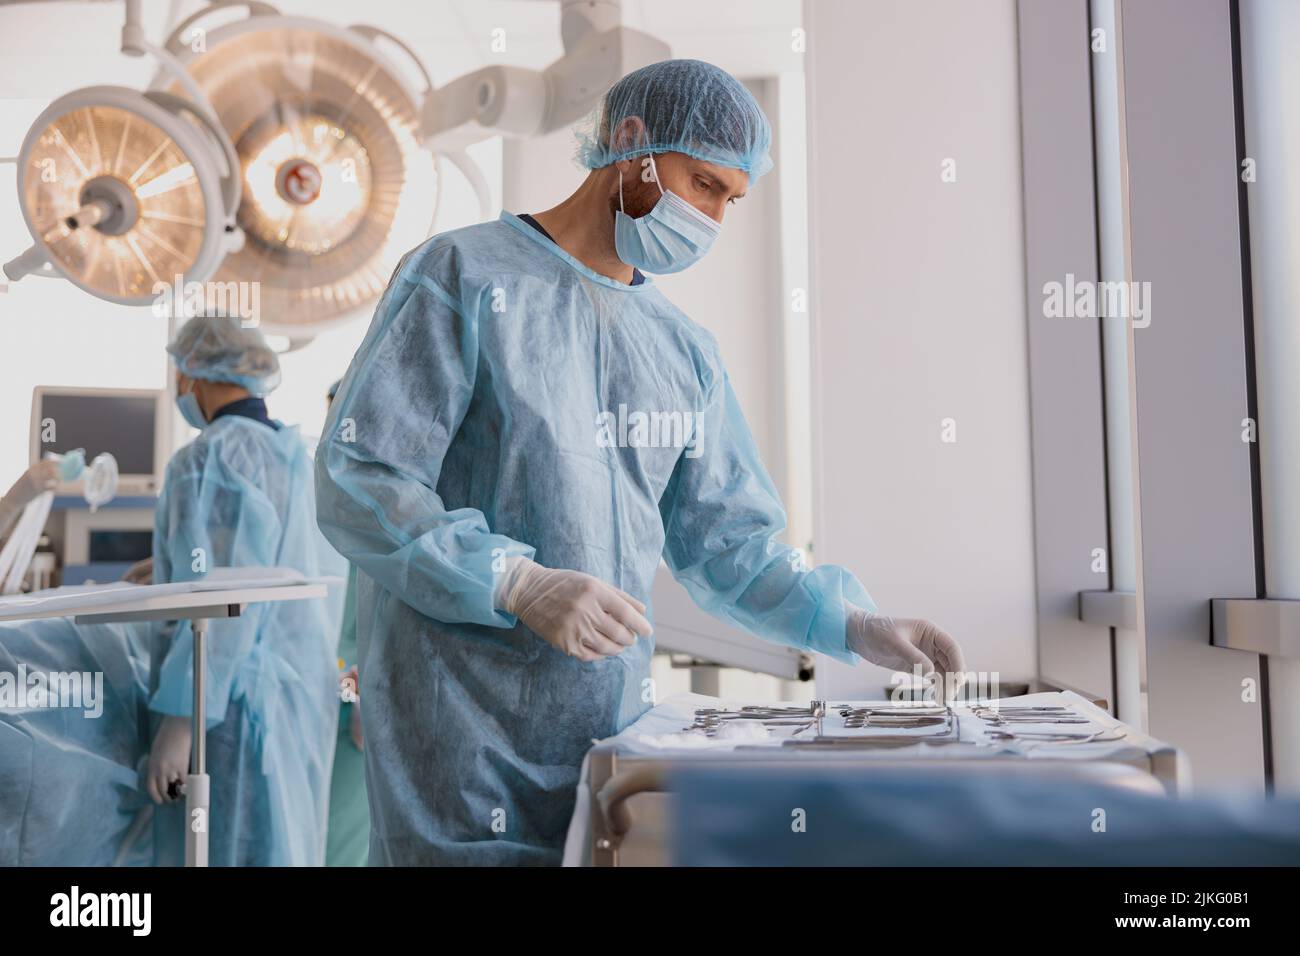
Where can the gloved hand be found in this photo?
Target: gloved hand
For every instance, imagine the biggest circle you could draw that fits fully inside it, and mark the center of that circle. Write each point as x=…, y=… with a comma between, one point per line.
x=140, y=573
x=573, y=612
x=903, y=643
x=169, y=758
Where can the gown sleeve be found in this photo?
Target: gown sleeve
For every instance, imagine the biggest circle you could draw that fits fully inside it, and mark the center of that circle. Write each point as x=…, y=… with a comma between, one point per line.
x=395, y=415
x=722, y=515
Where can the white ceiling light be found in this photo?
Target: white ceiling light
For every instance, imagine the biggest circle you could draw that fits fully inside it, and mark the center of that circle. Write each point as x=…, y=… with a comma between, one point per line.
x=123, y=191
x=336, y=184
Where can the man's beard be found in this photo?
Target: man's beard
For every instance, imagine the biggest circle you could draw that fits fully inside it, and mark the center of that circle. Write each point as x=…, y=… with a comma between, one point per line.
x=639, y=197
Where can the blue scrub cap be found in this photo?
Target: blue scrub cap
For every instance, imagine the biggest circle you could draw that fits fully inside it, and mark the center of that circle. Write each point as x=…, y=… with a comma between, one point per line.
x=220, y=349
x=686, y=106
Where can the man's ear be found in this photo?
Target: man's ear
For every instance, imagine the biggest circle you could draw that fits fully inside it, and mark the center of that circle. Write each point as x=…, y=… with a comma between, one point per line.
x=629, y=134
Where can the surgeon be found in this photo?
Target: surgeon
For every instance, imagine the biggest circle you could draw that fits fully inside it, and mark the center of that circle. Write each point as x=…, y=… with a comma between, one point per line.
x=528, y=427
x=241, y=495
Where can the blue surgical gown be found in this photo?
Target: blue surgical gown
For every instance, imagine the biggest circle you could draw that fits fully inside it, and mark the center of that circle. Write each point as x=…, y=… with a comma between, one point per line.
x=474, y=424
x=241, y=495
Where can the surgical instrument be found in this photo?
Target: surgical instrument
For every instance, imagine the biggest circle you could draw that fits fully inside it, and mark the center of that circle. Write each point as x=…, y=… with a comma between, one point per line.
x=709, y=719
x=1059, y=737
x=901, y=717
x=1001, y=716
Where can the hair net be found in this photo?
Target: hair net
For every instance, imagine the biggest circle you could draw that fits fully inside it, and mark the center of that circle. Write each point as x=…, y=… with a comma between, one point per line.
x=687, y=106
x=220, y=349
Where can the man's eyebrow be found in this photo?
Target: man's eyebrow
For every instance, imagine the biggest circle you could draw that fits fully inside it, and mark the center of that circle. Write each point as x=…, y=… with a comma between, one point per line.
x=719, y=183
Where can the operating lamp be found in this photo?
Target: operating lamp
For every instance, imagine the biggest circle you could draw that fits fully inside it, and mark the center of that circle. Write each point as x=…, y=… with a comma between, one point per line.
x=336, y=183
x=123, y=191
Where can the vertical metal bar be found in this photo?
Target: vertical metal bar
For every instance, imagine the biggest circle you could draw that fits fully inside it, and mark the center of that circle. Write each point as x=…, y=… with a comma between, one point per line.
x=199, y=748
x=1194, y=518
x=1065, y=369
x=1111, y=252
x=197, y=793
x=1267, y=32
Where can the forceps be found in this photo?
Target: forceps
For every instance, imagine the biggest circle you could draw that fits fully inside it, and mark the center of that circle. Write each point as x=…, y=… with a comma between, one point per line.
x=856, y=718
x=709, y=719
x=1002, y=716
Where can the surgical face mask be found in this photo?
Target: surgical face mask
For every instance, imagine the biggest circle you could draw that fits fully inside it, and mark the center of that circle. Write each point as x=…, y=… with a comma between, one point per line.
x=670, y=237
x=190, y=410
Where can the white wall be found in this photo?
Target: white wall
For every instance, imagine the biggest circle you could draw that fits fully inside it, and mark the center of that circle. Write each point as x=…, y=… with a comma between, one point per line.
x=919, y=315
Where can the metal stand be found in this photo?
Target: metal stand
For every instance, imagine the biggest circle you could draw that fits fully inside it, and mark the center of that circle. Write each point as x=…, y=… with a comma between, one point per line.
x=196, y=784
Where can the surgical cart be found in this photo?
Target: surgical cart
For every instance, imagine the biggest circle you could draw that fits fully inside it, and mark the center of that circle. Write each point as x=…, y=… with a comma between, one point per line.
x=626, y=801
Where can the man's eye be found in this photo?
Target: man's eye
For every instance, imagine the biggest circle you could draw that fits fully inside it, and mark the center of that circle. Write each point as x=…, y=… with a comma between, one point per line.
x=702, y=185
x=731, y=201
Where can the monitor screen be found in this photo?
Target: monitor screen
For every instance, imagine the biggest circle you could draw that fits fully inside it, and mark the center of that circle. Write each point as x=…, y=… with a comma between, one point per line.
x=115, y=545
x=120, y=424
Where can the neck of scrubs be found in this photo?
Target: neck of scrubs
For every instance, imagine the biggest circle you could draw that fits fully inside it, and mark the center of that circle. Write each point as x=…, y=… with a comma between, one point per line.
x=582, y=227
x=637, y=277
x=254, y=408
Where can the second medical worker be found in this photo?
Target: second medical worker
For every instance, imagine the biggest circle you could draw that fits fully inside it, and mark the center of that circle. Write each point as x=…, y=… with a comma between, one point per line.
x=527, y=428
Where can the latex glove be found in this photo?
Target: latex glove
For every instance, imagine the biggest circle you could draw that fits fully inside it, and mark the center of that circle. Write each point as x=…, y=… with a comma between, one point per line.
x=140, y=573
x=169, y=758
x=573, y=612
x=904, y=643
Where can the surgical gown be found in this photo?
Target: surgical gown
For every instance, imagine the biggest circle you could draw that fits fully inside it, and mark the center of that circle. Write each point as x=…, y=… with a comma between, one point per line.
x=491, y=411
x=241, y=495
